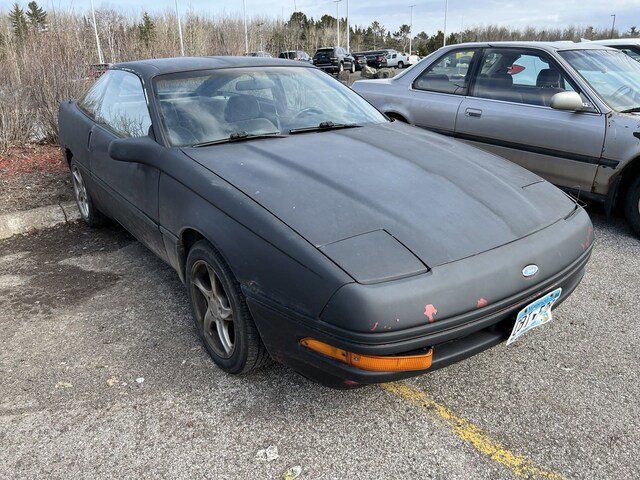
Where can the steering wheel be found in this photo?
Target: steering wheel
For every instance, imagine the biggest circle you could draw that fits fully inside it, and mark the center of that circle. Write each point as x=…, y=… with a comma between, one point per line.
x=308, y=111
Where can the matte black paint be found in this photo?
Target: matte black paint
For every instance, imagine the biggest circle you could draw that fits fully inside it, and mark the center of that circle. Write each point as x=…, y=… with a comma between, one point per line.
x=348, y=235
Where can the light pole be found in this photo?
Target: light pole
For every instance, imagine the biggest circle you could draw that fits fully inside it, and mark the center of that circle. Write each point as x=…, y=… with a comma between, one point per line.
x=259, y=27
x=348, y=29
x=179, y=30
x=613, y=25
x=410, y=27
x=337, y=2
x=446, y=7
x=95, y=29
x=246, y=35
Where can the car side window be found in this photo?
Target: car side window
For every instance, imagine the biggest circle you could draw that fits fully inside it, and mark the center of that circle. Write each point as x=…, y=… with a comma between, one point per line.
x=632, y=52
x=448, y=74
x=91, y=101
x=520, y=76
x=124, y=105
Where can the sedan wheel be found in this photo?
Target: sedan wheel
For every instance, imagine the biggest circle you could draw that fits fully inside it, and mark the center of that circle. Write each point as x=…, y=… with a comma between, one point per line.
x=88, y=212
x=212, y=309
x=221, y=314
x=632, y=205
x=80, y=192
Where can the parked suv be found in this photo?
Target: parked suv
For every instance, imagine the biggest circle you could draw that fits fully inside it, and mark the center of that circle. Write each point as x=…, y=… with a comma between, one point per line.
x=376, y=58
x=296, y=55
x=334, y=60
x=567, y=111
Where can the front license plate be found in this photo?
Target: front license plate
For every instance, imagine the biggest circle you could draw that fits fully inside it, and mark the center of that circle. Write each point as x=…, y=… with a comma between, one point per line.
x=533, y=315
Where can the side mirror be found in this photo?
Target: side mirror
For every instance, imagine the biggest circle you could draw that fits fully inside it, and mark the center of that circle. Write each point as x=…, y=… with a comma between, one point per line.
x=570, y=101
x=143, y=150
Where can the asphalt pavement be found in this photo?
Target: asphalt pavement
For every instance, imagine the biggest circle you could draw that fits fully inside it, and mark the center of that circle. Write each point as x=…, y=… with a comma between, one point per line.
x=102, y=375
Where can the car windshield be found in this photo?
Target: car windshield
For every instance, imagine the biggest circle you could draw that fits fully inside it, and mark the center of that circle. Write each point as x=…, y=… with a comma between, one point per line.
x=612, y=74
x=209, y=106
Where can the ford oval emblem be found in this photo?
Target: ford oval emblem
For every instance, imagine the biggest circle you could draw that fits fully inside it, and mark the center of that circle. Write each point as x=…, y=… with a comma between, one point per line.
x=529, y=271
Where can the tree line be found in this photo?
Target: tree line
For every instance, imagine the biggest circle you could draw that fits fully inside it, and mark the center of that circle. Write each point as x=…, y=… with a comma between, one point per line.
x=45, y=55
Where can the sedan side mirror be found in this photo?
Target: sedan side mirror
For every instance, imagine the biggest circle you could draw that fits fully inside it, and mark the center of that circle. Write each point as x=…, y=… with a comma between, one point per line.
x=143, y=150
x=570, y=101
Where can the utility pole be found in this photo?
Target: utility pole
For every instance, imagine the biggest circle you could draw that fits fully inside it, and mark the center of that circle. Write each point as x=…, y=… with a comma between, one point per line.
x=337, y=2
x=180, y=30
x=613, y=26
x=259, y=27
x=95, y=29
x=446, y=7
x=410, y=27
x=246, y=35
x=348, y=27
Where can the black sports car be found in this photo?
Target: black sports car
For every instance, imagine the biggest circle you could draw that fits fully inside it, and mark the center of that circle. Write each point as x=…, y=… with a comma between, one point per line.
x=351, y=265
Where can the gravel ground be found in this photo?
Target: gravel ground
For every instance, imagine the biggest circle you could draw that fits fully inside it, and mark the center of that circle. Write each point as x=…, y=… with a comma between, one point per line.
x=84, y=313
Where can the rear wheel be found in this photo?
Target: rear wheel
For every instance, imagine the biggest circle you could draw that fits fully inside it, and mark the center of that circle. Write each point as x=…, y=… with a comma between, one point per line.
x=220, y=312
x=632, y=205
x=400, y=65
x=353, y=67
x=88, y=212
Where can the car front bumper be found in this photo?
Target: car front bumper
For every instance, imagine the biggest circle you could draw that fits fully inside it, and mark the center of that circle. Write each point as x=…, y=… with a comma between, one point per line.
x=453, y=337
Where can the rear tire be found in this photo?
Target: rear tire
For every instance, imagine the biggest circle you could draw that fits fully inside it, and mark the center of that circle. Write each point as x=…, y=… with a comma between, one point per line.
x=353, y=67
x=632, y=205
x=400, y=65
x=88, y=211
x=220, y=312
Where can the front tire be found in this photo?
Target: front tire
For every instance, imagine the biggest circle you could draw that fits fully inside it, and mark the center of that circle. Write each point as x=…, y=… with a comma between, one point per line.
x=88, y=212
x=632, y=205
x=353, y=67
x=220, y=312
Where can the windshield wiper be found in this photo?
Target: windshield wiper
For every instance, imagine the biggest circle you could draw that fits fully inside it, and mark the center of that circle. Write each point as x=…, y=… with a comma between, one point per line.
x=329, y=125
x=239, y=137
x=631, y=110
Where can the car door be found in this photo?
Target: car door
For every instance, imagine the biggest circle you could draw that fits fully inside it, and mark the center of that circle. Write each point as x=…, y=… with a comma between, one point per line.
x=437, y=92
x=129, y=191
x=508, y=113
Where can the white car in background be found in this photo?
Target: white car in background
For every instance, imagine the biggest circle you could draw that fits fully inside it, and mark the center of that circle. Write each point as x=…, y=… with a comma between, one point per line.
x=400, y=60
x=630, y=46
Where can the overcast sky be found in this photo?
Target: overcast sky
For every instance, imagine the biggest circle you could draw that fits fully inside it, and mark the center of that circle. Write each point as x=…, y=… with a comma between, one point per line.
x=428, y=15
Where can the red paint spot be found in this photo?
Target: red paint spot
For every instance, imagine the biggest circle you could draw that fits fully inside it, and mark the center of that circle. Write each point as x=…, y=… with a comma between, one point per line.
x=375, y=325
x=482, y=302
x=430, y=311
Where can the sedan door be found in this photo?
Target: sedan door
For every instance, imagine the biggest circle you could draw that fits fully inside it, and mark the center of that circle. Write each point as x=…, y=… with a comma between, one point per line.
x=128, y=190
x=438, y=91
x=508, y=113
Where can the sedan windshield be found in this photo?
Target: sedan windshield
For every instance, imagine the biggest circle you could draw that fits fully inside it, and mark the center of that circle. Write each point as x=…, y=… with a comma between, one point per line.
x=208, y=107
x=612, y=74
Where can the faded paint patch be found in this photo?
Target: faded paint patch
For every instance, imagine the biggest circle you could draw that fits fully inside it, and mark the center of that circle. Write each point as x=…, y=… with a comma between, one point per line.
x=430, y=312
x=471, y=434
x=482, y=302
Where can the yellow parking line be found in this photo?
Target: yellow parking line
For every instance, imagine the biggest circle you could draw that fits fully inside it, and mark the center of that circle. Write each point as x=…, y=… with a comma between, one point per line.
x=470, y=433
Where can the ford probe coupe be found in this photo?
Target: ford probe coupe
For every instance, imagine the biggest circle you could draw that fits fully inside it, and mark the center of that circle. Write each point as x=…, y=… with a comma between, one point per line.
x=311, y=229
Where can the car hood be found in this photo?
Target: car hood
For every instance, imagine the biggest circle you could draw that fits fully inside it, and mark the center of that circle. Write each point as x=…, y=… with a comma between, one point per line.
x=440, y=198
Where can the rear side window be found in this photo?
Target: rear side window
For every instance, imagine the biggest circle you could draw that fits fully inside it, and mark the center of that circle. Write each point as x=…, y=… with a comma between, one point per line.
x=448, y=74
x=124, y=107
x=91, y=101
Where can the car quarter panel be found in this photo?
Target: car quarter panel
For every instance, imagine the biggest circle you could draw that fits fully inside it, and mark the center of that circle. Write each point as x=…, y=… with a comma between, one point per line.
x=267, y=257
x=622, y=144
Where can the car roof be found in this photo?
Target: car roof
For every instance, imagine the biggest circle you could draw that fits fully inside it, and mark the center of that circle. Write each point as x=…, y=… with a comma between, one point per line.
x=160, y=66
x=549, y=46
x=618, y=41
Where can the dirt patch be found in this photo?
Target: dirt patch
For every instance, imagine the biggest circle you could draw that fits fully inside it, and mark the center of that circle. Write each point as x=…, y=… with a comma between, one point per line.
x=34, y=276
x=33, y=176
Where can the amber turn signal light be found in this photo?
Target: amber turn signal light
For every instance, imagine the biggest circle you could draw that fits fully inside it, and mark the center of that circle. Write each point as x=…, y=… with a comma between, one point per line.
x=374, y=363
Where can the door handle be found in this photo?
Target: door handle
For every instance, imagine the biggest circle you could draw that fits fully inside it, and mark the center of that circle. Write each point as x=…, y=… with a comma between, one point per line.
x=89, y=139
x=473, y=112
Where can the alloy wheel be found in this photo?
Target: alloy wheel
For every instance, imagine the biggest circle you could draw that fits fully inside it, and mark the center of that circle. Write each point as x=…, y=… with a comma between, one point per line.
x=80, y=192
x=213, y=309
